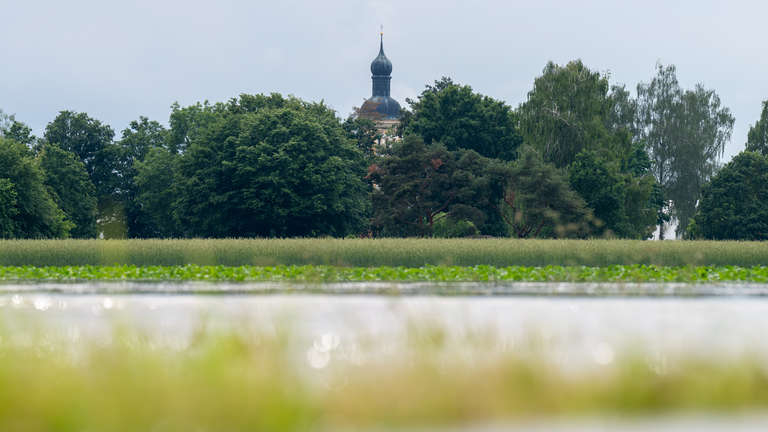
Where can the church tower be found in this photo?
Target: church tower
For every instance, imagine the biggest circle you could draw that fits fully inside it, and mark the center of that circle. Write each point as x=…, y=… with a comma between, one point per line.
x=381, y=108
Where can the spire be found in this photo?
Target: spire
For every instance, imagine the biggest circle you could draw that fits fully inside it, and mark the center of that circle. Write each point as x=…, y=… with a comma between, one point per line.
x=381, y=106
x=381, y=65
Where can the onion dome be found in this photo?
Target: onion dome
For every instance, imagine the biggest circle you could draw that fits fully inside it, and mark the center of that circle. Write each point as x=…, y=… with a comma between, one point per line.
x=380, y=106
x=381, y=64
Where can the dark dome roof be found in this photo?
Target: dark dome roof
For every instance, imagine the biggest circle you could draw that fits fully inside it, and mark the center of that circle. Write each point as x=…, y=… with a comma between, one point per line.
x=380, y=108
x=381, y=64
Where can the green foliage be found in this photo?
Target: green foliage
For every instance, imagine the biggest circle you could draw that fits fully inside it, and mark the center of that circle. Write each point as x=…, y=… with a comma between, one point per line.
x=622, y=202
x=329, y=274
x=364, y=134
x=539, y=202
x=418, y=184
x=685, y=132
x=269, y=166
x=8, y=208
x=188, y=123
x=734, y=205
x=138, y=140
x=156, y=188
x=572, y=109
x=580, y=123
x=459, y=118
x=757, y=138
x=29, y=211
x=448, y=227
x=602, y=187
x=70, y=188
x=15, y=130
x=89, y=139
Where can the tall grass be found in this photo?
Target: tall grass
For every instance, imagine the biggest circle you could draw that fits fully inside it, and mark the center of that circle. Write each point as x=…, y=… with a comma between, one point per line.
x=380, y=252
x=231, y=382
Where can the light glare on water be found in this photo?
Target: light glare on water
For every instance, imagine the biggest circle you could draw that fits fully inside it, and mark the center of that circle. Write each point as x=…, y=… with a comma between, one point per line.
x=574, y=332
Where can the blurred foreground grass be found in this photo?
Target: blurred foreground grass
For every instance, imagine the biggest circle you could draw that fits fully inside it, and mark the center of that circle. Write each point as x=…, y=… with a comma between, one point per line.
x=236, y=382
x=381, y=252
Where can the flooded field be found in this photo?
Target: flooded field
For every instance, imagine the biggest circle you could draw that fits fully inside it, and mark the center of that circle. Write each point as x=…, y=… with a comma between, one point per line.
x=577, y=324
x=577, y=328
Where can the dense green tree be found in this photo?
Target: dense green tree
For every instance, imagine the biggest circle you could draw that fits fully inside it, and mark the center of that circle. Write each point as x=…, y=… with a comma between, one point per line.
x=365, y=135
x=8, y=208
x=685, y=132
x=270, y=166
x=419, y=184
x=572, y=108
x=188, y=123
x=141, y=137
x=622, y=200
x=32, y=211
x=757, y=138
x=459, y=118
x=70, y=188
x=156, y=193
x=87, y=138
x=734, y=205
x=601, y=185
x=13, y=129
x=5, y=121
x=582, y=124
x=539, y=202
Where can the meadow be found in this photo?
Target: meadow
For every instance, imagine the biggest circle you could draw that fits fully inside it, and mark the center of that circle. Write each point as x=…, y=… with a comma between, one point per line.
x=240, y=382
x=381, y=252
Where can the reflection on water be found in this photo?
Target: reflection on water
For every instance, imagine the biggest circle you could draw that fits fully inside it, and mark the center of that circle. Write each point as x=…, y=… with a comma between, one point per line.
x=568, y=289
x=572, y=330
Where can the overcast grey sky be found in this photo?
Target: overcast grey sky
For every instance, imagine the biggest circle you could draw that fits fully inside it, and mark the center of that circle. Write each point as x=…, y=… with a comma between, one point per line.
x=119, y=60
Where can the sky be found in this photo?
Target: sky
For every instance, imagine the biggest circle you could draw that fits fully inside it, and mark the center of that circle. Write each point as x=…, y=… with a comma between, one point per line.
x=117, y=61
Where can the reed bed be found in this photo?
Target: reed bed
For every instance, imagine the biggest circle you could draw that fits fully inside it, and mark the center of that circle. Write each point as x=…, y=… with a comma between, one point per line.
x=381, y=252
x=236, y=382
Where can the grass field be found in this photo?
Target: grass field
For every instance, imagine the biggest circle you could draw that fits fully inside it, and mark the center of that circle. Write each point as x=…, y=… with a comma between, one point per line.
x=381, y=252
x=321, y=274
x=234, y=382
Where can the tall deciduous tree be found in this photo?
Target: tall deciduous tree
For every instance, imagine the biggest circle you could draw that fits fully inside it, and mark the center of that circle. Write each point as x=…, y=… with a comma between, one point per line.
x=365, y=135
x=621, y=199
x=734, y=205
x=70, y=188
x=87, y=138
x=457, y=117
x=156, y=191
x=685, y=133
x=270, y=166
x=8, y=208
x=417, y=185
x=572, y=108
x=13, y=129
x=539, y=202
x=757, y=138
x=138, y=139
x=587, y=127
x=28, y=211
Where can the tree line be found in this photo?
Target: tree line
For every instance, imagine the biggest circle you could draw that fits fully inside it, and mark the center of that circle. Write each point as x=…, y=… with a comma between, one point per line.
x=581, y=157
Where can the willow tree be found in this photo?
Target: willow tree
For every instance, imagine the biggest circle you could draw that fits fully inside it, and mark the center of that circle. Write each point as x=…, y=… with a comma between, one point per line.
x=685, y=132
